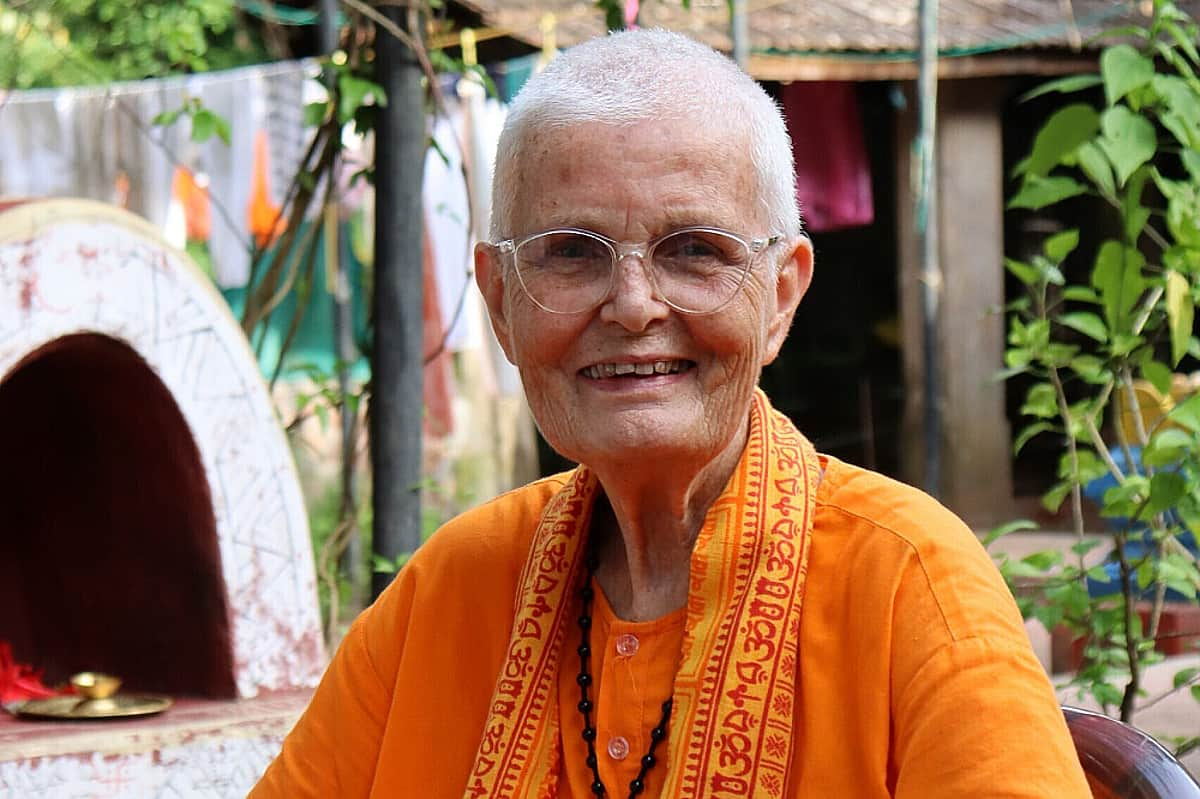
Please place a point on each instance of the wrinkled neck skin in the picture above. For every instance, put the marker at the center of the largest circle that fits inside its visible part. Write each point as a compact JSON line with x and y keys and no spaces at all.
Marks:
{"x":644,"y":527}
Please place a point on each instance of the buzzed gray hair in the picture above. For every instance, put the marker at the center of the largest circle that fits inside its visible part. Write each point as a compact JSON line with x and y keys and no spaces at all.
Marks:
{"x":640,"y":75}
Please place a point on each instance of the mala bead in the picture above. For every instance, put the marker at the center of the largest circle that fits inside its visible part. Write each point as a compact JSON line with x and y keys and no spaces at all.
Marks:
{"x":584,"y":679}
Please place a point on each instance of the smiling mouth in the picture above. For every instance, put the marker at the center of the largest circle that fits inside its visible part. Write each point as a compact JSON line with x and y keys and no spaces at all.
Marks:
{"x":602,"y":371}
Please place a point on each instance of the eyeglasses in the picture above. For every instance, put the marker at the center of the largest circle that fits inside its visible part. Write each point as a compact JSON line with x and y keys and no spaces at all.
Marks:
{"x":696,"y":270}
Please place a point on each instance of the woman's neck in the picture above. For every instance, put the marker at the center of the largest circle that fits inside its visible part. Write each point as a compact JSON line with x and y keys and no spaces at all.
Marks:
{"x":644,"y":531}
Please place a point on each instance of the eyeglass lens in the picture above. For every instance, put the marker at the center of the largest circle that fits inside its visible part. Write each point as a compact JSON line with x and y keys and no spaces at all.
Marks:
{"x":572,"y":271}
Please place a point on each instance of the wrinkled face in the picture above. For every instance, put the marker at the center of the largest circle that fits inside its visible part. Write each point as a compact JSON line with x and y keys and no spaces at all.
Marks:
{"x":694,"y":375}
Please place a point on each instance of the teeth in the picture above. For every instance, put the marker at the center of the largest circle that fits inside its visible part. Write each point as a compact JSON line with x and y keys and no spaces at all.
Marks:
{"x":602,"y":370}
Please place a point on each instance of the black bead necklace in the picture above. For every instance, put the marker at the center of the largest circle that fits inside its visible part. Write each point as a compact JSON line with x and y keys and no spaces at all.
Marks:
{"x":584,"y":680}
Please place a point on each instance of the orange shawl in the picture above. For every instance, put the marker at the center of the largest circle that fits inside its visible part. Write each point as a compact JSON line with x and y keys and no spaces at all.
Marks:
{"x":731,"y":724}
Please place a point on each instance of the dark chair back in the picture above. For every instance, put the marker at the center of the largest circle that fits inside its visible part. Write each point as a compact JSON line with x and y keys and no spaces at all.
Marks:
{"x":1122,"y":762}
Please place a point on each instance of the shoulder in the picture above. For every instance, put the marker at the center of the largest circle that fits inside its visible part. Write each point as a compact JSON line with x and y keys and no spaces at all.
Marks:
{"x":466,"y":572}
{"x":912,"y":547}
{"x":893,"y":509}
{"x":494,"y":533}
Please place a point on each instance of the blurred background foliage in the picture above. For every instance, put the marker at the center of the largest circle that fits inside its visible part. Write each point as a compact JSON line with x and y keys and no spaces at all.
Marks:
{"x":48,"y":43}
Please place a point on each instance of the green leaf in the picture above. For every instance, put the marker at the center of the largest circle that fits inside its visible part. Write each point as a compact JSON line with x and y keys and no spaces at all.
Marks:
{"x":1117,"y":275}
{"x":1191,"y":162}
{"x":1180,"y":311}
{"x":1089,"y":324}
{"x":1167,"y":446}
{"x":1067,"y":85}
{"x":1088,"y":464}
{"x":166,"y":117}
{"x":1084,"y":547}
{"x":314,"y":113}
{"x":1125,"y":343}
{"x":1020,"y":304}
{"x":1126,"y":498}
{"x":1195,"y":692}
{"x":1123,"y":69}
{"x":1059,"y":355}
{"x":1187,"y":413}
{"x":1060,"y":136}
{"x":1071,"y":596}
{"x":1183,"y":41}
{"x":1017,"y":525}
{"x":1060,"y":245}
{"x":1041,"y":402}
{"x":1038,"y":192}
{"x":1145,"y":574}
{"x":1158,"y":375}
{"x":1023,"y":272}
{"x":1037,"y":335}
{"x":1182,"y":259}
{"x":1095,"y":165}
{"x":1049,"y":271}
{"x":1017,"y":358}
{"x":1128,"y":140}
{"x":1044,"y":560}
{"x":1184,"y":106}
{"x":205,"y":123}
{"x":1166,"y":489}
{"x":1052,"y":500}
{"x":1179,"y":574}
{"x":1028,"y":433}
{"x":1090,"y":368}
{"x":355,"y":92}
{"x":1135,"y":223}
{"x":1183,"y":215}
{"x":1185,"y":676}
{"x":1107,"y":695}
{"x":1081,"y":294}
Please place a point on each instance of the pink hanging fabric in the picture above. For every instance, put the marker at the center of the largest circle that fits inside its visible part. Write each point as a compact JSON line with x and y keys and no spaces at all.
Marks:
{"x":833,"y":172}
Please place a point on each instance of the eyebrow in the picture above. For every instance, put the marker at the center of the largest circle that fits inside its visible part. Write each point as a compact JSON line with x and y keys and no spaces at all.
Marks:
{"x":670,"y":221}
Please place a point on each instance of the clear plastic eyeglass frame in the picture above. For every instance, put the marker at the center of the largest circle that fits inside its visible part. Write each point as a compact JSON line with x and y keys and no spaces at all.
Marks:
{"x":645,"y":253}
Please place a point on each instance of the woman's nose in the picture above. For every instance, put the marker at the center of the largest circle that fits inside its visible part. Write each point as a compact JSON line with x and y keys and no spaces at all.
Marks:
{"x":634,"y":302}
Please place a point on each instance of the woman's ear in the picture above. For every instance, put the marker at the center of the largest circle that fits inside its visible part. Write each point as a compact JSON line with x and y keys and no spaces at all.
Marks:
{"x":489,"y":276}
{"x":791,"y":284}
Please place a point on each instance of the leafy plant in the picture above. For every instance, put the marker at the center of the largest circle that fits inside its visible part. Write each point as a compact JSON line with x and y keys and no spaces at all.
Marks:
{"x":1087,"y":343}
{"x":74,"y":42}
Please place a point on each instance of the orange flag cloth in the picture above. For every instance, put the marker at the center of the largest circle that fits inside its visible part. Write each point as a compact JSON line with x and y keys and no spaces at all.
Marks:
{"x":739,"y":656}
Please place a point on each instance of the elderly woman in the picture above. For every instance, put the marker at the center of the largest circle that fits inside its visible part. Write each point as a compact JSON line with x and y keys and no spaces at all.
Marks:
{"x":706,"y":606}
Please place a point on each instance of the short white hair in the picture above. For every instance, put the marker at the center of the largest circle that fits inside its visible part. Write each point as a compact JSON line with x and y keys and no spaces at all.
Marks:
{"x":639,"y":75}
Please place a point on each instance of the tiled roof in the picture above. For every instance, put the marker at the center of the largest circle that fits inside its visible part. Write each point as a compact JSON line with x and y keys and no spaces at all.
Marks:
{"x":841,"y":26}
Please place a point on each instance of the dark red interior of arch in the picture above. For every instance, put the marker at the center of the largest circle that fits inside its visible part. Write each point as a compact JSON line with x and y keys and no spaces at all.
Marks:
{"x":108,"y":549}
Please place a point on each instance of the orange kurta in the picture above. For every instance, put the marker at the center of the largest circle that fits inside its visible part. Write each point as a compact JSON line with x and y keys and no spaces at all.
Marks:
{"x":915,"y":678}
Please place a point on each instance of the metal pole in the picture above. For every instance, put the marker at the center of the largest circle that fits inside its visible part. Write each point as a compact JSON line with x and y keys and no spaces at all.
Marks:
{"x":397,"y":353}
{"x":740,"y":33}
{"x":928,"y":235}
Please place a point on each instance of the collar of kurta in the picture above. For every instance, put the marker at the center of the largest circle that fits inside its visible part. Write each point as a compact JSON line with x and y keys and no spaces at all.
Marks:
{"x":734,"y":694}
